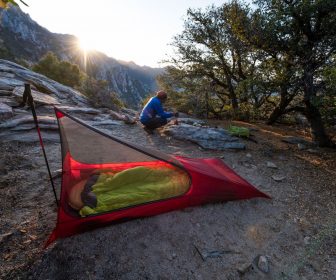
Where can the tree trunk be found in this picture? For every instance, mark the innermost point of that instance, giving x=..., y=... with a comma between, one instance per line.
x=317, y=126
x=234, y=102
x=312, y=112
x=278, y=111
x=207, y=104
x=232, y=95
x=275, y=115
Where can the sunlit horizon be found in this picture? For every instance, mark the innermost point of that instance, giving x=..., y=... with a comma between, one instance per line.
x=129, y=30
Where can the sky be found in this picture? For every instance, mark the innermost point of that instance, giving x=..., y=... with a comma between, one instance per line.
x=129, y=30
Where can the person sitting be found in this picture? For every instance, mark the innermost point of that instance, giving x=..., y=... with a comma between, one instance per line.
x=153, y=115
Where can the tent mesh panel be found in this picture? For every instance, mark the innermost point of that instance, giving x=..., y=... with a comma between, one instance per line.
x=87, y=152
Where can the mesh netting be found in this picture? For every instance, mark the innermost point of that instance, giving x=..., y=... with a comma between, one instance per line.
x=102, y=173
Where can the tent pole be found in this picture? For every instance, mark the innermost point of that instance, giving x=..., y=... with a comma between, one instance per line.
x=27, y=96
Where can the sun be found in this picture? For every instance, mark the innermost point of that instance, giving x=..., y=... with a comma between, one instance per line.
x=86, y=47
x=86, y=44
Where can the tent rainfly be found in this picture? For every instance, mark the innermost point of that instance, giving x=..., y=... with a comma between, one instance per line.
x=106, y=179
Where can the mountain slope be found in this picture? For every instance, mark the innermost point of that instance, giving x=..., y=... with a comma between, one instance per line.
x=22, y=39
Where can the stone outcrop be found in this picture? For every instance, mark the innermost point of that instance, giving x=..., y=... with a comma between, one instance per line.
x=17, y=124
x=206, y=137
x=39, y=98
x=191, y=121
x=46, y=91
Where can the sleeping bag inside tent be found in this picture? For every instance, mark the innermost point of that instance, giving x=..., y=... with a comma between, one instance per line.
x=106, y=179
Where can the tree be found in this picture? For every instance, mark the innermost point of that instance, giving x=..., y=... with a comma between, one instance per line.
x=97, y=91
x=303, y=34
x=209, y=49
x=184, y=91
x=61, y=71
x=328, y=102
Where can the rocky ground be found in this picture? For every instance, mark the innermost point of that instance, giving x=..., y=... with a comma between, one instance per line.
x=291, y=236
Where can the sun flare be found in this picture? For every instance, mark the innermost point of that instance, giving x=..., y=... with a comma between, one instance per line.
x=86, y=45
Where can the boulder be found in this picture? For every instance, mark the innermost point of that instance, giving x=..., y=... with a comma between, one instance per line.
x=6, y=112
x=206, y=137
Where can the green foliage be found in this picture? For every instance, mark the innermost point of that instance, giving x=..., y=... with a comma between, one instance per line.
x=186, y=93
x=97, y=91
x=23, y=63
x=266, y=62
x=69, y=74
x=61, y=71
x=301, y=37
x=328, y=100
x=239, y=131
x=214, y=67
x=209, y=52
x=5, y=53
x=116, y=101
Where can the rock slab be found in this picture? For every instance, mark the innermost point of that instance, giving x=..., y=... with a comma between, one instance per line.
x=6, y=112
x=39, y=98
x=206, y=137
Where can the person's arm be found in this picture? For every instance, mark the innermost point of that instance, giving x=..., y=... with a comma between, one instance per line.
x=159, y=110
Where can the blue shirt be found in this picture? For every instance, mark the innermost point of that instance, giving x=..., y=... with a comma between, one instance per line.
x=153, y=108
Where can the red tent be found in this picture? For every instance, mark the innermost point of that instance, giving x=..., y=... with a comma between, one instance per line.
x=106, y=179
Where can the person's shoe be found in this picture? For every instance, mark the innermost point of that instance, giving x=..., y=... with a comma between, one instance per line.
x=148, y=130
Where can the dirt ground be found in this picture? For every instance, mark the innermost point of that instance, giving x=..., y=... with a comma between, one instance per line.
x=295, y=231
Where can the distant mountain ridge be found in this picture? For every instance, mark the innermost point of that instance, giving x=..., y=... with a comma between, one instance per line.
x=22, y=39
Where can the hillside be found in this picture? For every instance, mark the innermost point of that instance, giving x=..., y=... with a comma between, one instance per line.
x=24, y=40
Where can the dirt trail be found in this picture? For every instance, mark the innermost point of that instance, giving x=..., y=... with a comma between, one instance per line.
x=295, y=231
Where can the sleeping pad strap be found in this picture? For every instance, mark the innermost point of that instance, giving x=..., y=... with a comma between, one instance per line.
x=28, y=99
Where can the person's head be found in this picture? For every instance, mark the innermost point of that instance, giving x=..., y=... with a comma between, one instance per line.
x=161, y=95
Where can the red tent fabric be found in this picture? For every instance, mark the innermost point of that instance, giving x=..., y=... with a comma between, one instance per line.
x=86, y=150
